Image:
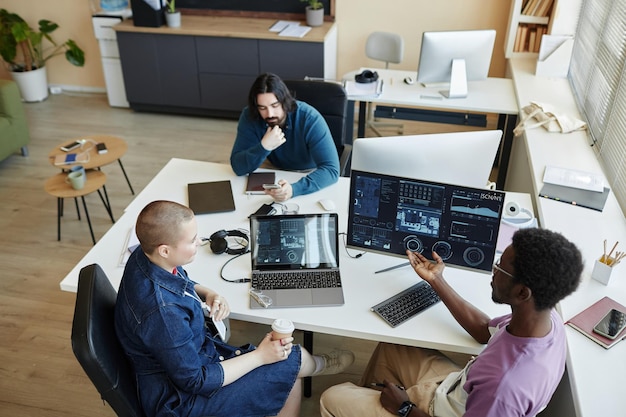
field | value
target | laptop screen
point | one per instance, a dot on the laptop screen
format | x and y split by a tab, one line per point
300	241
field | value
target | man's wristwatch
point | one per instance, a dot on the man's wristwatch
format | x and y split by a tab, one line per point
405	408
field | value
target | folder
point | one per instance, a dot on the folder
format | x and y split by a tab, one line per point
555	55
210	197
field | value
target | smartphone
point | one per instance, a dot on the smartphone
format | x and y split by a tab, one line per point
101	147
71	146
611	324
271	186
265	210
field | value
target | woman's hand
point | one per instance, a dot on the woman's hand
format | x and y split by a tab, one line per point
219	307
274	350
217	304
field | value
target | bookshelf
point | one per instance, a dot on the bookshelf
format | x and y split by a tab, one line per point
529	20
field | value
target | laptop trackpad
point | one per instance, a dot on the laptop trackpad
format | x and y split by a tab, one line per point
289	298
328	296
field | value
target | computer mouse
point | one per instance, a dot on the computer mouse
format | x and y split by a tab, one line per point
327	204
409	80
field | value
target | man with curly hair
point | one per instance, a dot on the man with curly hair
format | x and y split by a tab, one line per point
519	369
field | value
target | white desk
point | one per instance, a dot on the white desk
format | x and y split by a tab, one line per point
595	374
434	328
494	95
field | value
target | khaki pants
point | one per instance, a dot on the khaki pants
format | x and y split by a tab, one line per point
418	370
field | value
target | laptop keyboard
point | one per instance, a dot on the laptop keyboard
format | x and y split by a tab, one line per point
406	304
295	280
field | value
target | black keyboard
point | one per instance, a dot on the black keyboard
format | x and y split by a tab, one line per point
296	280
406	304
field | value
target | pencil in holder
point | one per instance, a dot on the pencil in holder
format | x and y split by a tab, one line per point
601	271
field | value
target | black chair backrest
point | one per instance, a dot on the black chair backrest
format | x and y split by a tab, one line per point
329	99
96	346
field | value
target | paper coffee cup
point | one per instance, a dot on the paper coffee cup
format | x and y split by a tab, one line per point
282	328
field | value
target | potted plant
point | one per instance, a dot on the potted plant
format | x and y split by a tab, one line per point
172	16
21	47
314	12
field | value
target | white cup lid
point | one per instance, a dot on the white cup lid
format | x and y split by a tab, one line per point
282	326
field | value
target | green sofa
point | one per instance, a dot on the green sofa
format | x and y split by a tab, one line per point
13	125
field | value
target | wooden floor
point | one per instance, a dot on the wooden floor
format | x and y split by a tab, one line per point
39	375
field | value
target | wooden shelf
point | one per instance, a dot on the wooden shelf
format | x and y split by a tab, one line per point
519	41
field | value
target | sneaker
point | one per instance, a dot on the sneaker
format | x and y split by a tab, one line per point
336	362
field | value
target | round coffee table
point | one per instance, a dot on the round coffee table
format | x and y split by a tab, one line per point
116	148
57	187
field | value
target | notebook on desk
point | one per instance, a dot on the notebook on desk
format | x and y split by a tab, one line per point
210	197
295	260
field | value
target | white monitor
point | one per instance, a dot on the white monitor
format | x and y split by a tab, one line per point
455	57
462	158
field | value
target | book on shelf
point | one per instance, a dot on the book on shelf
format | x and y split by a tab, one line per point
541	30
523	46
518	39
585	321
544	8
532	36
529	7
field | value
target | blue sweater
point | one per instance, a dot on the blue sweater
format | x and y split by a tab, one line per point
309	146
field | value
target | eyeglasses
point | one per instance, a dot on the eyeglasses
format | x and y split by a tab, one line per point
496	267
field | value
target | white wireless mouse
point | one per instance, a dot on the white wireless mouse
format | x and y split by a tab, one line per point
327	204
409	80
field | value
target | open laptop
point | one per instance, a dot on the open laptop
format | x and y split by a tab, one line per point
295	260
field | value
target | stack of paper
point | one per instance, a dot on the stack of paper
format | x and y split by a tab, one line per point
290	28
354	89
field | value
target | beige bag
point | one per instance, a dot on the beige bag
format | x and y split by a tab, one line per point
540	114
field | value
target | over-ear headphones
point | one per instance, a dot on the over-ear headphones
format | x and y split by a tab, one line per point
367	76
219	244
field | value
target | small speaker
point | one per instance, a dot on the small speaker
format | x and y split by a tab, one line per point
512	210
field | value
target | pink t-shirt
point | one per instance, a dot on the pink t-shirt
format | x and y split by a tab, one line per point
515	376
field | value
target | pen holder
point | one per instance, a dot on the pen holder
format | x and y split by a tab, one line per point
601	271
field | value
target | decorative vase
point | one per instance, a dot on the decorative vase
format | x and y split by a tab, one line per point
172	19
314	17
33	85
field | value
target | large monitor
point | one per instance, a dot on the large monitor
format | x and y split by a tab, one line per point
455	57
390	215
462	158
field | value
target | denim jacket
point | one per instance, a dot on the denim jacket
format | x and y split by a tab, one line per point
160	324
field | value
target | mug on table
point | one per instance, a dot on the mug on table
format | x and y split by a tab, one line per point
76	179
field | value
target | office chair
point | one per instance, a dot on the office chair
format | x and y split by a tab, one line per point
389	48
95	343
96	346
330	99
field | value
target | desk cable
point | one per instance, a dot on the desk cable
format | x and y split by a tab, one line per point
345	246
204	241
236	281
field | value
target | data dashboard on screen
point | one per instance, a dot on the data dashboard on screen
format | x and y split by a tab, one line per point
390	214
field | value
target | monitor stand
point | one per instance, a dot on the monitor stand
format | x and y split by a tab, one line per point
458	80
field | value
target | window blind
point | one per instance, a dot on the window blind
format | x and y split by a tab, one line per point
598	79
